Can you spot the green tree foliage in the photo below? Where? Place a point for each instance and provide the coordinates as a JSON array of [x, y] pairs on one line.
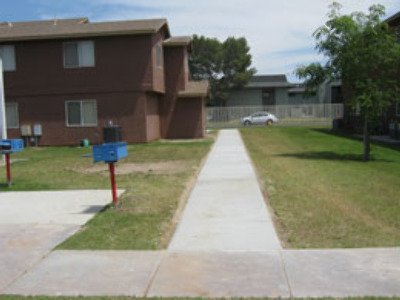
[[227, 65], [363, 52]]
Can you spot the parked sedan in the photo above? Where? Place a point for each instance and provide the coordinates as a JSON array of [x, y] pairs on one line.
[[259, 118]]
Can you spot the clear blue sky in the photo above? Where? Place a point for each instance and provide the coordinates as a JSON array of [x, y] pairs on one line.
[[279, 32]]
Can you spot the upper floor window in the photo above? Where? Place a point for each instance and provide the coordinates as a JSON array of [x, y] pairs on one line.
[[81, 113], [79, 54], [159, 56], [7, 54], [12, 115]]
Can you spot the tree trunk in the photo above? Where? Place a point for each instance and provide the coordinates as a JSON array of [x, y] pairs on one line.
[[367, 147]]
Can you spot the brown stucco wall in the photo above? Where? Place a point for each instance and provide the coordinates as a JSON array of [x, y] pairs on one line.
[[125, 109], [175, 81], [123, 63], [175, 70], [152, 118], [187, 119]]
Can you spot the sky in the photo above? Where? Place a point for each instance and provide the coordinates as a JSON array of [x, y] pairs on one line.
[[279, 33]]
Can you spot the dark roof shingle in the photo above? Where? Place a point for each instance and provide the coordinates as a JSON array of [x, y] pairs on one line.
[[71, 28], [266, 81], [394, 20]]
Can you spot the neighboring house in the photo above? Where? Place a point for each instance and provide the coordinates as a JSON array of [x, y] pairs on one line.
[[261, 90], [328, 92], [73, 77], [276, 90], [394, 22]]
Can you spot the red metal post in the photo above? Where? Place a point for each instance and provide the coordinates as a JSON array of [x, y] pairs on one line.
[[111, 167], [8, 169]]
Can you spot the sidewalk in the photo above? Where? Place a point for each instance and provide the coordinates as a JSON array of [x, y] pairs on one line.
[[33, 223], [225, 246], [226, 210]]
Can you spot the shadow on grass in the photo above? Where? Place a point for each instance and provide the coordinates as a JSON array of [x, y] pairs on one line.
[[350, 136], [4, 187], [329, 155]]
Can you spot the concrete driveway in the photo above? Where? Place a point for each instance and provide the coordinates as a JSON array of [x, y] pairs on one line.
[[33, 223]]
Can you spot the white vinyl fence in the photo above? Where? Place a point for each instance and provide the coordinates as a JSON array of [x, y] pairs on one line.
[[297, 115]]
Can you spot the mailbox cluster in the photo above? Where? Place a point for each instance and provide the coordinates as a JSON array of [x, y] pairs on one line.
[[8, 147], [11, 146], [111, 151]]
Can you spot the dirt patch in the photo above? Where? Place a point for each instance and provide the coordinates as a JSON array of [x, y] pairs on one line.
[[166, 167]]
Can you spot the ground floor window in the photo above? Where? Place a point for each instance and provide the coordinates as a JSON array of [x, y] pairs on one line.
[[81, 113], [12, 115]]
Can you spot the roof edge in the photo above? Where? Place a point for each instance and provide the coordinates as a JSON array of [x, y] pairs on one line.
[[178, 41], [196, 89], [76, 35], [391, 18]]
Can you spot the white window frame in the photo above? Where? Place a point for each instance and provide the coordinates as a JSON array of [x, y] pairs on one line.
[[80, 65], [14, 59], [17, 116], [81, 121]]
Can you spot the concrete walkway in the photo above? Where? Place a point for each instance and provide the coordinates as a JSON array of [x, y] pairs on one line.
[[225, 246], [33, 223], [226, 210]]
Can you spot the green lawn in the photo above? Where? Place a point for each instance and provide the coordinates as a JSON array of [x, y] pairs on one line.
[[151, 199], [322, 194]]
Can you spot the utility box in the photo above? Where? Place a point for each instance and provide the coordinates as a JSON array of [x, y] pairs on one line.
[[112, 134], [110, 152], [11, 146], [37, 130], [26, 130]]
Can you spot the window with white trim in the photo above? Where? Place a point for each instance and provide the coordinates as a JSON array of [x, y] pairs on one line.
[[7, 54], [82, 113], [79, 54], [12, 115], [159, 56]]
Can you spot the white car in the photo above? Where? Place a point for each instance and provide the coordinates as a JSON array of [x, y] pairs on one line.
[[259, 118]]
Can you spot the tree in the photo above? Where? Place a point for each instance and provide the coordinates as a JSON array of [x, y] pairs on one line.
[[226, 65], [362, 51]]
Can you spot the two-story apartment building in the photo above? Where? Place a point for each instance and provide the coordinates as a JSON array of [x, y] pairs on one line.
[[72, 77]]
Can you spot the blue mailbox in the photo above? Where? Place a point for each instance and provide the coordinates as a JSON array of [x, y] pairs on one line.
[[110, 152], [9, 146]]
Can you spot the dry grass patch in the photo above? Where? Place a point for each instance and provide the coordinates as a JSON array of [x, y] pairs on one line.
[[322, 193], [158, 168]]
